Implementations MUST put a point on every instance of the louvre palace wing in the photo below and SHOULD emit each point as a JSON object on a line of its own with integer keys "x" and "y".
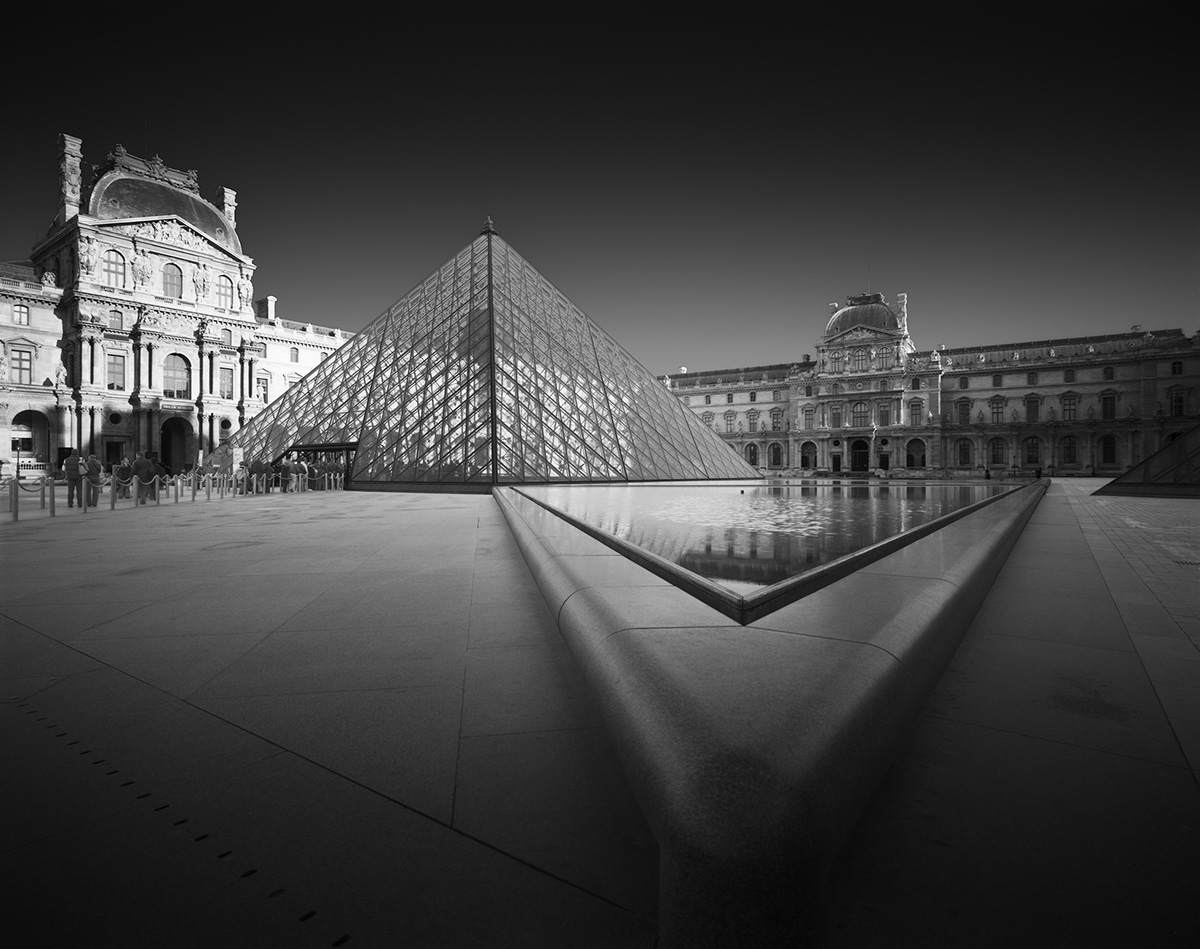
{"x": 485, "y": 373}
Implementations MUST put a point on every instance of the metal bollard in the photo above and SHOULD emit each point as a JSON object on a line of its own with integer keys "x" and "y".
{"x": 208, "y": 487}
{"x": 112, "y": 493}
{"x": 158, "y": 486}
{"x": 12, "y": 497}
{"x": 176, "y": 490}
{"x": 53, "y": 491}
{"x": 43, "y": 487}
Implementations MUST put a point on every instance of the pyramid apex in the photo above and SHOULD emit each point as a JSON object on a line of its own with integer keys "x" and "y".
{"x": 488, "y": 227}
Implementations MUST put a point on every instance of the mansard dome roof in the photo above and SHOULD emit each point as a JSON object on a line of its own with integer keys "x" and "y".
{"x": 118, "y": 196}
{"x": 868, "y": 310}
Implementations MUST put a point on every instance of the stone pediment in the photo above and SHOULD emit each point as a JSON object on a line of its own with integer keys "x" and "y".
{"x": 861, "y": 334}
{"x": 171, "y": 230}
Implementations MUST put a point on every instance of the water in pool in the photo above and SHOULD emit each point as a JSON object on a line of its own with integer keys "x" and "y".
{"x": 750, "y": 535}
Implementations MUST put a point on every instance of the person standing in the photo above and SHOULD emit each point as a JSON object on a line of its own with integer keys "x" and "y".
{"x": 285, "y": 475}
{"x": 94, "y": 470}
{"x": 143, "y": 474}
{"x": 74, "y": 478}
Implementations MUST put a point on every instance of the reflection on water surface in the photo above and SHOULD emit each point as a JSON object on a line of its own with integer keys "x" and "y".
{"x": 749, "y": 536}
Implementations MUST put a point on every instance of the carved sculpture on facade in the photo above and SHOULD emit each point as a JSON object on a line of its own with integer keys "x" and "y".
{"x": 201, "y": 280}
{"x": 89, "y": 255}
{"x": 60, "y": 377}
{"x": 141, "y": 268}
{"x": 245, "y": 291}
{"x": 49, "y": 278}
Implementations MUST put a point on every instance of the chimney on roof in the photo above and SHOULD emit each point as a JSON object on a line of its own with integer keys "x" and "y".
{"x": 226, "y": 201}
{"x": 70, "y": 178}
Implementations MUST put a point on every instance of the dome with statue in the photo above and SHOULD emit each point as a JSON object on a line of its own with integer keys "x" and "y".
{"x": 129, "y": 187}
{"x": 869, "y": 310}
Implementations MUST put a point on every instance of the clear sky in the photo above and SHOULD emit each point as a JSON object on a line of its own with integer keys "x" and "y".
{"x": 702, "y": 192}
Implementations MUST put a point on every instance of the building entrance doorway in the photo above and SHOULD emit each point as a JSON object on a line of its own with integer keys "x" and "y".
{"x": 177, "y": 446}
{"x": 860, "y": 455}
{"x": 837, "y": 461}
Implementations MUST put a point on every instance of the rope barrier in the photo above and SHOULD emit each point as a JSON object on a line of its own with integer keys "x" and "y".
{"x": 227, "y": 485}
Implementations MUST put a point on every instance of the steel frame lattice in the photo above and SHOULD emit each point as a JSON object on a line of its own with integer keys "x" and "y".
{"x": 483, "y": 374}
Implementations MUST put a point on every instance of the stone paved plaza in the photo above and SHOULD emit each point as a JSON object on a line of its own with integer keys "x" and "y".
{"x": 348, "y": 719}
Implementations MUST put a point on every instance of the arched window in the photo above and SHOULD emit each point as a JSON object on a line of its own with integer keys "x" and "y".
{"x": 914, "y": 453}
{"x": 177, "y": 377}
{"x": 963, "y": 382}
{"x": 116, "y": 320}
{"x": 916, "y": 384}
{"x": 227, "y": 338}
{"x": 835, "y": 361}
{"x": 295, "y": 354}
{"x": 114, "y": 269}
{"x": 775, "y": 455}
{"x": 1068, "y": 451}
{"x": 860, "y": 415}
{"x": 997, "y": 452}
{"x": 224, "y": 292}
{"x": 752, "y": 455}
{"x": 808, "y": 455}
{"x": 860, "y": 360}
{"x": 20, "y": 314}
{"x": 172, "y": 281}
{"x": 883, "y": 359}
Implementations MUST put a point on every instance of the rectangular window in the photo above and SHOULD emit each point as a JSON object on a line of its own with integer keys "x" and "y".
{"x": 729, "y": 424}
{"x": 916, "y": 414}
{"x": 808, "y": 419}
{"x": 964, "y": 453}
{"x": 708, "y": 400}
{"x": 1108, "y": 406}
{"x": 997, "y": 412}
{"x": 22, "y": 366}
{"x": 776, "y": 421}
{"x": 1177, "y": 368}
{"x": 116, "y": 372}
{"x": 729, "y": 397}
{"x": 226, "y": 382}
{"x": 1070, "y": 408}
{"x": 884, "y": 413}
{"x": 997, "y": 382}
{"x": 295, "y": 354}
{"x": 835, "y": 416}
{"x": 116, "y": 320}
{"x": 1175, "y": 397}
{"x": 1031, "y": 410}
{"x": 964, "y": 413}
{"x": 1069, "y": 451}
{"x": 996, "y": 449}
{"x": 754, "y": 423}
{"x": 753, "y": 396}
{"x": 1068, "y": 375}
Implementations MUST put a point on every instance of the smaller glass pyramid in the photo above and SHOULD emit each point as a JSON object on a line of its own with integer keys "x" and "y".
{"x": 486, "y": 374}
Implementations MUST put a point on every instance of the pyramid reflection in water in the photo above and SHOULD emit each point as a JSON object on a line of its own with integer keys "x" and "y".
{"x": 486, "y": 374}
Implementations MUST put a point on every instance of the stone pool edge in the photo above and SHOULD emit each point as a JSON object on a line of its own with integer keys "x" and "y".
{"x": 753, "y": 750}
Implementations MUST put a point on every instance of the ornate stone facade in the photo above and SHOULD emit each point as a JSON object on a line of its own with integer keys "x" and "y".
{"x": 133, "y": 325}
{"x": 872, "y": 402}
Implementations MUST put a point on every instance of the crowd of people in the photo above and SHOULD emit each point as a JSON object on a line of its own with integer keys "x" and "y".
{"x": 146, "y": 474}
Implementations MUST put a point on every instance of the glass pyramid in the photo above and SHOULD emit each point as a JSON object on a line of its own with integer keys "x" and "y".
{"x": 1172, "y": 471}
{"x": 485, "y": 374}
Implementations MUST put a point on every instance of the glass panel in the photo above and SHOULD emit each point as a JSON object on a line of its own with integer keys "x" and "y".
{"x": 485, "y": 372}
